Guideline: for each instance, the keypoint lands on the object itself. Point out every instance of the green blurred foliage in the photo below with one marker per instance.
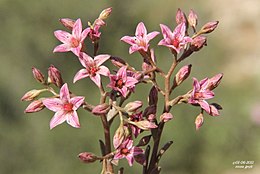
(27, 145)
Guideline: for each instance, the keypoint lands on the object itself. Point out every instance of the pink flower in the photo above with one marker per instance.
(135, 118)
(93, 68)
(121, 82)
(175, 40)
(64, 108)
(128, 151)
(94, 33)
(140, 40)
(201, 93)
(71, 42)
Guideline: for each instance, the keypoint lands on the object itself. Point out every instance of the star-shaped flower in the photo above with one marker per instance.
(64, 107)
(175, 40)
(121, 82)
(141, 39)
(71, 42)
(93, 68)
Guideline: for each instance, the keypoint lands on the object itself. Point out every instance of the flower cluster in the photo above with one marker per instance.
(113, 103)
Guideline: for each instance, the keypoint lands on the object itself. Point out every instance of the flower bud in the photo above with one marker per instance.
(199, 121)
(87, 157)
(101, 109)
(30, 95)
(118, 62)
(192, 19)
(38, 75)
(140, 158)
(105, 13)
(165, 117)
(34, 106)
(99, 22)
(153, 96)
(209, 27)
(180, 17)
(145, 124)
(133, 106)
(68, 23)
(144, 140)
(182, 74)
(198, 42)
(214, 81)
(149, 110)
(120, 135)
(55, 76)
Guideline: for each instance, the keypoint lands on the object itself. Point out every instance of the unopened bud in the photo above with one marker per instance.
(144, 140)
(214, 81)
(38, 75)
(153, 96)
(209, 27)
(99, 22)
(87, 157)
(198, 42)
(133, 106)
(214, 109)
(101, 109)
(192, 19)
(31, 95)
(34, 106)
(120, 135)
(180, 17)
(182, 74)
(118, 62)
(140, 158)
(199, 121)
(149, 110)
(165, 117)
(55, 76)
(105, 13)
(145, 124)
(68, 23)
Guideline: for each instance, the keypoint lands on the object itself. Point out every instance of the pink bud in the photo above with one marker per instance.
(214, 81)
(118, 62)
(192, 19)
(209, 27)
(145, 125)
(55, 76)
(182, 74)
(133, 106)
(68, 23)
(38, 75)
(105, 13)
(199, 121)
(30, 95)
(101, 109)
(34, 106)
(180, 17)
(165, 117)
(87, 157)
(121, 134)
(198, 42)
(99, 22)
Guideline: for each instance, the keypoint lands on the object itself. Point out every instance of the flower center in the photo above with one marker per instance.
(68, 107)
(93, 70)
(124, 151)
(175, 43)
(198, 95)
(119, 83)
(74, 42)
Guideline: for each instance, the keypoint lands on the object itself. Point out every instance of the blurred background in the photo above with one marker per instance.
(27, 146)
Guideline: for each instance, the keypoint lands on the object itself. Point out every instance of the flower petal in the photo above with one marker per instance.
(204, 105)
(130, 159)
(179, 31)
(152, 35)
(85, 60)
(62, 36)
(80, 75)
(57, 119)
(96, 79)
(128, 39)
(103, 71)
(122, 73)
(77, 102)
(101, 59)
(130, 82)
(134, 48)
(73, 119)
(84, 34)
(65, 93)
(166, 31)
(53, 104)
(77, 29)
(61, 48)
(141, 30)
